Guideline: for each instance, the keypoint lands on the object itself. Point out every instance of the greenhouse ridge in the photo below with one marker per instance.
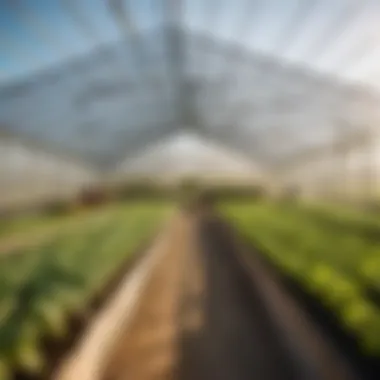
(138, 72)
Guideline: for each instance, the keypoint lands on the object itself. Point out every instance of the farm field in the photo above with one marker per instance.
(224, 325)
(334, 254)
(25, 231)
(38, 221)
(173, 310)
(22, 223)
(43, 286)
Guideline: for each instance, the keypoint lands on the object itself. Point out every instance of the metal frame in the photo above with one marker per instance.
(183, 91)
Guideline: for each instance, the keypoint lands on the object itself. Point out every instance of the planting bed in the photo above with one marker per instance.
(49, 290)
(201, 304)
(329, 260)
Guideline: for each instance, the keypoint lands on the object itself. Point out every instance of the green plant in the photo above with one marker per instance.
(41, 288)
(332, 253)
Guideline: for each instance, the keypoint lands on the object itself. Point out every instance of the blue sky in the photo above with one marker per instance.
(338, 36)
(43, 34)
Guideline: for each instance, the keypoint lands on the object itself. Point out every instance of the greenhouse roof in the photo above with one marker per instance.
(101, 79)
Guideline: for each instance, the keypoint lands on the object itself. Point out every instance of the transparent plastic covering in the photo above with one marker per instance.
(97, 80)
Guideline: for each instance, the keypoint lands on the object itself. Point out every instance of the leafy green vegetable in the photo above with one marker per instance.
(41, 287)
(333, 253)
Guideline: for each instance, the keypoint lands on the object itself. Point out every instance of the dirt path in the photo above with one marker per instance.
(231, 338)
(201, 317)
(91, 355)
(147, 346)
(198, 319)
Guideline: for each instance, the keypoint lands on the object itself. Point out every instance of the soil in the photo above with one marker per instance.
(233, 338)
(147, 346)
(214, 309)
(202, 316)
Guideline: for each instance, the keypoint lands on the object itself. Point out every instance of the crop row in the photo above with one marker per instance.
(325, 254)
(42, 287)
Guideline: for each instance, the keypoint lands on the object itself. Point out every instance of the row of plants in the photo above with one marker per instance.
(322, 251)
(18, 224)
(359, 222)
(41, 288)
(89, 198)
(37, 220)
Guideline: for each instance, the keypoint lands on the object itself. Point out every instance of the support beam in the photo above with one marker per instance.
(176, 50)
(298, 20)
(47, 147)
(335, 30)
(124, 21)
(359, 52)
(73, 8)
(231, 59)
(232, 113)
(357, 139)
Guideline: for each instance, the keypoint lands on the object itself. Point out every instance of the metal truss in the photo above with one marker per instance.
(218, 107)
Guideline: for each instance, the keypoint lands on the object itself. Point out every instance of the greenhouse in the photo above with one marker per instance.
(189, 189)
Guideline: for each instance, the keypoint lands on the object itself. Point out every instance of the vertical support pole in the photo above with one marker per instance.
(176, 51)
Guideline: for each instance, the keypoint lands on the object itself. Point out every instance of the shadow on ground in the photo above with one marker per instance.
(235, 339)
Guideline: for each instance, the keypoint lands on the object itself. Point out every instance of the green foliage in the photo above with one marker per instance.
(333, 253)
(57, 207)
(40, 288)
(15, 224)
(143, 189)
